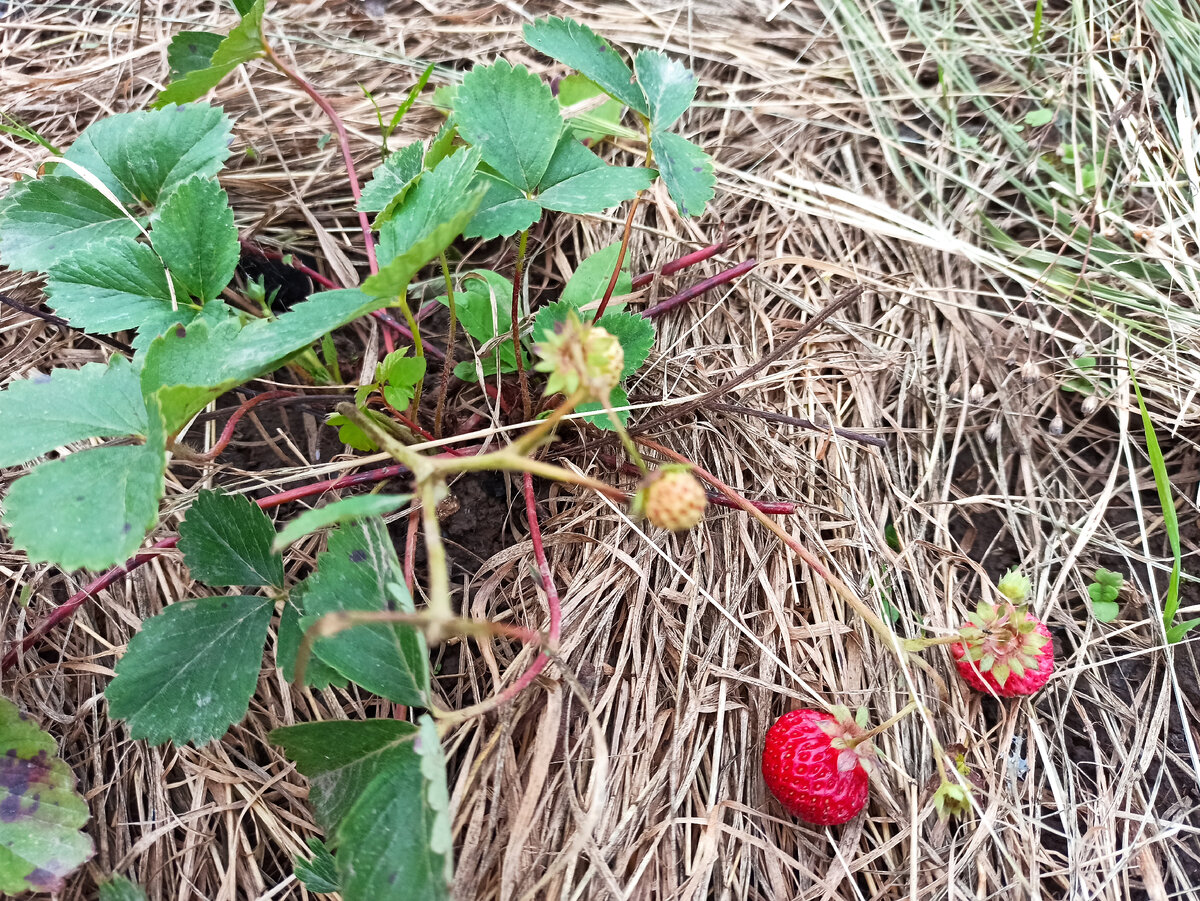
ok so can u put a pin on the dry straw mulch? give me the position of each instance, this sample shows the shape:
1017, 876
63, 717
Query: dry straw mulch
631, 769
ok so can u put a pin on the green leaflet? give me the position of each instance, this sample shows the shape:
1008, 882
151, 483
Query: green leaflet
93, 508
359, 571
512, 117
577, 46
189, 673
68, 405
195, 236
226, 540
687, 171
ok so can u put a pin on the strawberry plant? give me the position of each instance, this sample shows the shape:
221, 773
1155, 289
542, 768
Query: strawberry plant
135, 235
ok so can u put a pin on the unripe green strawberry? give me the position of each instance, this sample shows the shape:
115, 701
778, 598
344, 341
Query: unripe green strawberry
673, 499
1004, 650
816, 764
579, 355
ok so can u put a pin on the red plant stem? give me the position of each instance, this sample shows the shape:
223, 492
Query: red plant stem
317, 277
699, 288
772, 508
612, 282
388, 344
343, 142
689, 259
231, 423
410, 549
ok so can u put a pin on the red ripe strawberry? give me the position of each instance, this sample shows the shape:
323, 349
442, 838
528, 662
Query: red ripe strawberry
1004, 650
816, 764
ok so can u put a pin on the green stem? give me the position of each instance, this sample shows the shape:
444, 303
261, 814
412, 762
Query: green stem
418, 348
440, 607
626, 441
448, 365
528, 442
526, 401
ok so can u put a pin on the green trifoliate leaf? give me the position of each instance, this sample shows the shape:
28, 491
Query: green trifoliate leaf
512, 117
341, 758
245, 42
113, 285
399, 376
338, 512
590, 280
392, 178
578, 181
189, 673
41, 814
636, 334
597, 123
195, 236
48, 411
669, 86
504, 211
318, 873
143, 156
190, 51
687, 171
316, 673
189, 366
394, 842
226, 540
359, 571
45, 220
91, 509
118, 888
579, 47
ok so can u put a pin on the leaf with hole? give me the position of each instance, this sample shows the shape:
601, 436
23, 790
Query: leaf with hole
41, 841
359, 571
512, 117
227, 540
168, 686
577, 46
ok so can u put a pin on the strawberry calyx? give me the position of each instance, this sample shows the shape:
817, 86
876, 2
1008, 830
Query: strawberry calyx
1002, 639
849, 736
